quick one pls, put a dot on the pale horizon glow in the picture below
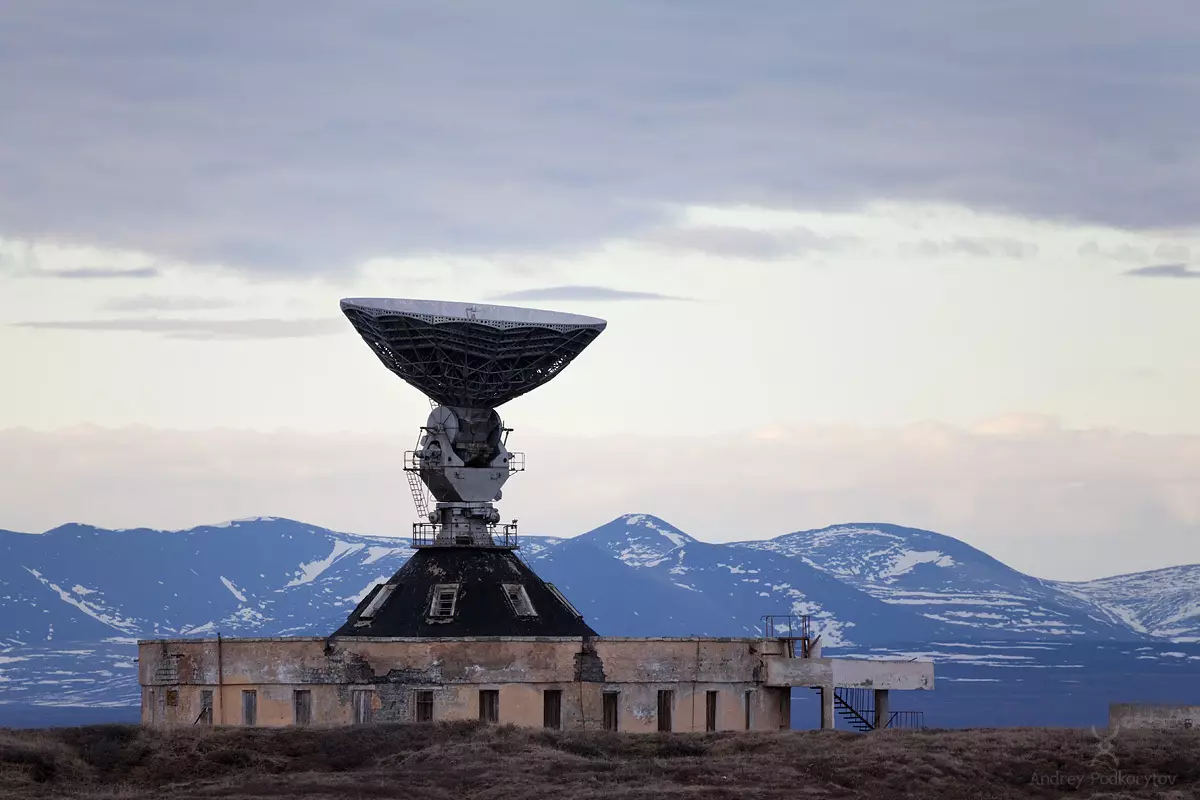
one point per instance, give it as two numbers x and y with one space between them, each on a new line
931 266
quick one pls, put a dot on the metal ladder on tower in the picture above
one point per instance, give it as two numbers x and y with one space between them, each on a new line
418 493
420 499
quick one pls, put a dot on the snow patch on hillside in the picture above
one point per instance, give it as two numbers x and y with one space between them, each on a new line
241 598
312 570
375 553
233 523
96 612
907 560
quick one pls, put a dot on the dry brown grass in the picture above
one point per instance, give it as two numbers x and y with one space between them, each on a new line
465 760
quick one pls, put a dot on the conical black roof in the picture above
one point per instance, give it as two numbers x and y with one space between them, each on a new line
464 591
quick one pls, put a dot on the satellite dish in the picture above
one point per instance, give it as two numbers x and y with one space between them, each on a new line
470 355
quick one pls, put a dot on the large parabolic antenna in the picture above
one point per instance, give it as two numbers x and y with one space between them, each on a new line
468 359
466 355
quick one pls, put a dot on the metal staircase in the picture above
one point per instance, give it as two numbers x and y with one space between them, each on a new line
857 708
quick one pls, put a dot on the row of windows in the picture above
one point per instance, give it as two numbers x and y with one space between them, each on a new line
443 602
489 707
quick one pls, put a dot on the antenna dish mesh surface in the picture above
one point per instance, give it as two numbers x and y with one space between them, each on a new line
468 355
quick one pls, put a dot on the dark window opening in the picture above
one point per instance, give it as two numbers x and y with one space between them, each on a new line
666 704
518 598
364 710
249 707
302 706
552 708
206 707
489 705
710 711
445 598
785 708
749 703
378 597
611 699
424 706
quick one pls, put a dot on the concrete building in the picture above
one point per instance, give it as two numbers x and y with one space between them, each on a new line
1164 716
471 632
603 683
465 629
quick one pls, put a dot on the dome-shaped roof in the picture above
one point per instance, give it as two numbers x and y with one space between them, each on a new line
464 591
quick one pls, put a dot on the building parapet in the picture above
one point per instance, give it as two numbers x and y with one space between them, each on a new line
849 673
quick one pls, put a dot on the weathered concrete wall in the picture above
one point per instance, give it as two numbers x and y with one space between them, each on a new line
455 670
849 673
674 660
431 661
1146 715
799 672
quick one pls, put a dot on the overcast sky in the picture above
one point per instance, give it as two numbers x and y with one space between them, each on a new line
932 263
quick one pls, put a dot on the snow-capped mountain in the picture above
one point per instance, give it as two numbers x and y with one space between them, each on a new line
1164 603
947 580
75 600
731 589
263 575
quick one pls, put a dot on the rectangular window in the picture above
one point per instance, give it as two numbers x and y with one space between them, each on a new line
378 598
562 598
552 708
302 706
518 598
489 705
611 700
249 707
666 704
445 598
153 706
710 711
749 705
364 712
423 702
206 707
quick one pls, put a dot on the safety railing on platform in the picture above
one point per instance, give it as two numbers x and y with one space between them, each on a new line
912 720
792 629
425 534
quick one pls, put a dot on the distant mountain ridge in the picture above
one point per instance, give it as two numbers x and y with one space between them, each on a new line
284 576
75 598
945 579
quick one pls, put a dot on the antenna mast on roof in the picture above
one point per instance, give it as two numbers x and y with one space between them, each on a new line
468 360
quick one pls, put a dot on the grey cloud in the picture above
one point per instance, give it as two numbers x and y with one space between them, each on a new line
1124 253
742 243
154 302
1173 252
1003 493
972 246
1164 271
202 329
88 273
567 293
310 140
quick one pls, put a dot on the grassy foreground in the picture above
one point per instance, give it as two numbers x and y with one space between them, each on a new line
465 760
